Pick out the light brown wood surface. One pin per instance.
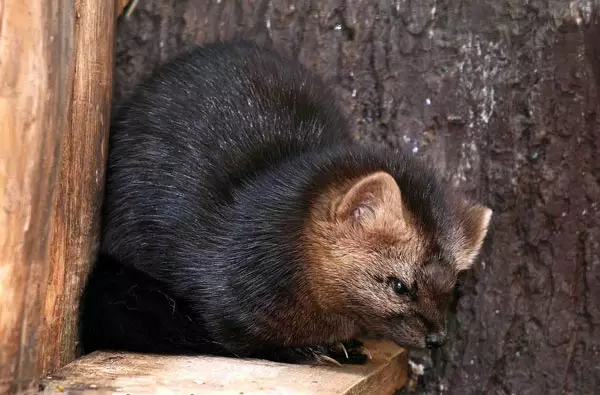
(122, 373)
(36, 62)
(56, 63)
(76, 213)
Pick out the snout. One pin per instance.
(435, 340)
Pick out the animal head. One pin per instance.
(375, 263)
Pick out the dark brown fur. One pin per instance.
(241, 218)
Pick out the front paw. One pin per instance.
(349, 352)
(313, 355)
(337, 354)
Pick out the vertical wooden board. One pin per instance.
(76, 215)
(35, 75)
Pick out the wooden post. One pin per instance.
(76, 214)
(36, 40)
(56, 62)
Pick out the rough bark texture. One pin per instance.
(503, 96)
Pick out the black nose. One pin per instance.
(435, 340)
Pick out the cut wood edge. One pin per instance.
(131, 373)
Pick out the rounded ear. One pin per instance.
(368, 196)
(475, 223)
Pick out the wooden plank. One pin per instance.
(109, 372)
(36, 59)
(76, 213)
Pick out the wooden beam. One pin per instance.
(76, 213)
(108, 373)
(56, 66)
(36, 63)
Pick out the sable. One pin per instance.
(241, 218)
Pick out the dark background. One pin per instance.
(502, 95)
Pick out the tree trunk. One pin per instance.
(502, 96)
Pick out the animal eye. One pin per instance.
(400, 288)
(363, 210)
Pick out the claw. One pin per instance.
(345, 351)
(325, 359)
(366, 351)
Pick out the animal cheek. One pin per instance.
(404, 312)
(409, 334)
(438, 320)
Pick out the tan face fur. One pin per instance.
(371, 262)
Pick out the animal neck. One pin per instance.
(267, 260)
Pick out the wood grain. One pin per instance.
(36, 58)
(56, 65)
(107, 373)
(76, 213)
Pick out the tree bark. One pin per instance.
(502, 96)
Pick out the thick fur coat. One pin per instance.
(240, 217)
